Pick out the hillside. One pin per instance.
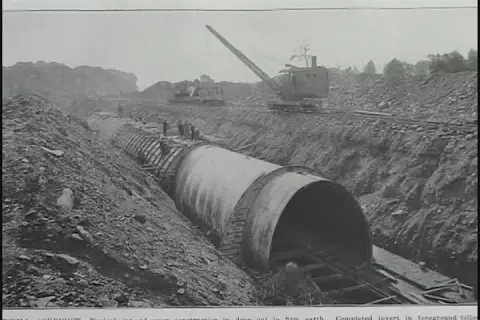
(59, 82)
(122, 243)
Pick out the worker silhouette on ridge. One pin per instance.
(186, 126)
(192, 132)
(163, 147)
(180, 128)
(197, 135)
(141, 158)
(165, 127)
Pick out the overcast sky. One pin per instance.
(175, 46)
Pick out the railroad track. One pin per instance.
(375, 116)
(427, 124)
(336, 276)
(342, 115)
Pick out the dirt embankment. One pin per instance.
(122, 244)
(418, 185)
(437, 96)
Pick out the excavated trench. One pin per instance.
(250, 208)
(258, 213)
(384, 162)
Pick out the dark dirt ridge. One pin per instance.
(418, 185)
(123, 244)
(59, 81)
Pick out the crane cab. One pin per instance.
(304, 83)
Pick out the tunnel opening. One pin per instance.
(324, 220)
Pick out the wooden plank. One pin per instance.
(419, 299)
(295, 254)
(434, 290)
(449, 282)
(380, 300)
(407, 269)
(332, 277)
(433, 297)
(318, 259)
(312, 267)
(387, 275)
(310, 280)
(348, 289)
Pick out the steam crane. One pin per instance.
(297, 90)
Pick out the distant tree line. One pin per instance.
(452, 62)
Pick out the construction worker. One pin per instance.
(186, 127)
(141, 158)
(192, 132)
(165, 127)
(197, 135)
(163, 147)
(180, 128)
(191, 125)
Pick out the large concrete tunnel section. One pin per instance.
(246, 203)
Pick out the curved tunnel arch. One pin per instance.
(312, 205)
(329, 212)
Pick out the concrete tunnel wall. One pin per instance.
(245, 200)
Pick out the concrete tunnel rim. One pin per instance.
(265, 260)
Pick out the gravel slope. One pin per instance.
(122, 244)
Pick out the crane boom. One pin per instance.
(249, 63)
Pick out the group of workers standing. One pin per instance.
(185, 130)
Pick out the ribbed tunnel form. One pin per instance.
(251, 208)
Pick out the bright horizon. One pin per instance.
(174, 46)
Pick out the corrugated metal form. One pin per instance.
(244, 201)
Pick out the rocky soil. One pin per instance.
(435, 97)
(122, 244)
(418, 184)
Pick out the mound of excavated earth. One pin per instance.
(122, 244)
(418, 184)
(436, 97)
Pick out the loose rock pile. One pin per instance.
(441, 97)
(121, 242)
(444, 95)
